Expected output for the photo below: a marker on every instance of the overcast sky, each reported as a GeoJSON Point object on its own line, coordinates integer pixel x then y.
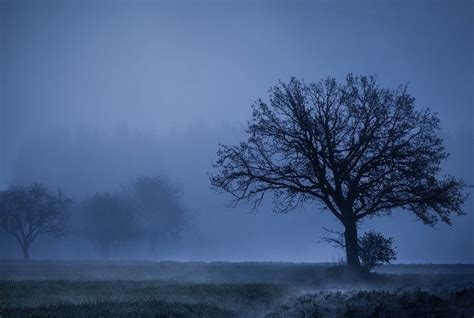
{"type": "Point", "coordinates": [185, 72]}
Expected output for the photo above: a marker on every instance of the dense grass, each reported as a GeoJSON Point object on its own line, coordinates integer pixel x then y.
{"type": "Point", "coordinates": [173, 289]}
{"type": "Point", "coordinates": [253, 297]}
{"type": "Point", "coordinates": [196, 272]}
{"type": "Point", "coordinates": [379, 304]}
{"type": "Point", "coordinates": [122, 309]}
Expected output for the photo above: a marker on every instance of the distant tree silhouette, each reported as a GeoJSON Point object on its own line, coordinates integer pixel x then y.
{"type": "Point", "coordinates": [359, 149]}
{"type": "Point", "coordinates": [29, 212]}
{"type": "Point", "coordinates": [106, 219]}
{"type": "Point", "coordinates": [159, 211]}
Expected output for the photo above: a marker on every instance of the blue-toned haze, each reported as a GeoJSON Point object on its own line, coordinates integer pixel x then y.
{"type": "Point", "coordinates": [93, 93]}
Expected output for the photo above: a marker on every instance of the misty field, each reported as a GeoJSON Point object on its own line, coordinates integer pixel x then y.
{"type": "Point", "coordinates": [173, 289]}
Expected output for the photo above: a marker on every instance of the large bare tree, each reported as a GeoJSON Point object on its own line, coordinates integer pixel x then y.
{"type": "Point", "coordinates": [359, 149]}
{"type": "Point", "coordinates": [32, 211]}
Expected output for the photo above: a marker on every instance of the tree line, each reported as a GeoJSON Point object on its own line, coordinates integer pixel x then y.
{"type": "Point", "coordinates": [148, 209]}
{"type": "Point", "coordinates": [353, 149]}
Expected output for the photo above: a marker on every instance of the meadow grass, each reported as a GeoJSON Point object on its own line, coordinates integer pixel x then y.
{"type": "Point", "coordinates": [194, 289]}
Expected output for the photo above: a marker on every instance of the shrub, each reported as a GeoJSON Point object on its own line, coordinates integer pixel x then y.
{"type": "Point", "coordinates": [375, 250]}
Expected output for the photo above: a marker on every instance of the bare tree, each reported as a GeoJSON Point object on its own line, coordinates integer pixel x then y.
{"type": "Point", "coordinates": [159, 211]}
{"type": "Point", "coordinates": [359, 149]}
{"type": "Point", "coordinates": [106, 219]}
{"type": "Point", "coordinates": [28, 212]}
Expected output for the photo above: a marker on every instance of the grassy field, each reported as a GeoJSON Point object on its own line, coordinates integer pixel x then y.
{"type": "Point", "coordinates": [173, 289]}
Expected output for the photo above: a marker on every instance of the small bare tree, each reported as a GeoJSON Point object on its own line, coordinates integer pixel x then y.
{"type": "Point", "coordinates": [28, 212]}
{"type": "Point", "coordinates": [359, 149]}
{"type": "Point", "coordinates": [106, 219]}
{"type": "Point", "coordinates": [159, 210]}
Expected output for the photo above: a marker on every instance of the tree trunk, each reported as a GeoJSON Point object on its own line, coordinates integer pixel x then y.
{"type": "Point", "coordinates": [26, 253]}
{"type": "Point", "coordinates": [352, 246]}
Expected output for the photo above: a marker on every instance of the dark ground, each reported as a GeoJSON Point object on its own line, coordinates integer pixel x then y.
{"type": "Point", "coordinates": [172, 289]}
